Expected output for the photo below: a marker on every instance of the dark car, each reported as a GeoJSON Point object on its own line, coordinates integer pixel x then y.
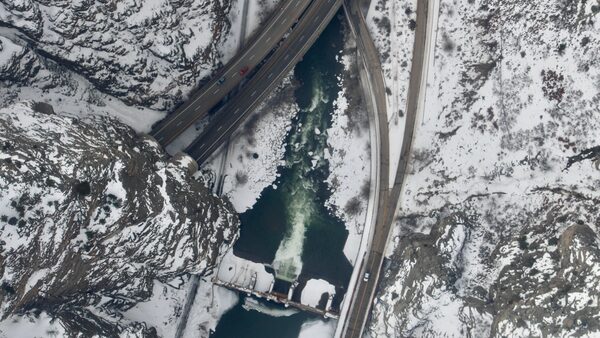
{"type": "Point", "coordinates": [221, 80]}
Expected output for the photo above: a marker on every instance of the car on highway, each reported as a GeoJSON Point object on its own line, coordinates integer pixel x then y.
{"type": "Point", "coordinates": [222, 80]}
{"type": "Point", "coordinates": [366, 277]}
{"type": "Point", "coordinates": [244, 70]}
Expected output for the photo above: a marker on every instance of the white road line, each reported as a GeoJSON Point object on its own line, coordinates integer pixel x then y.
{"type": "Point", "coordinates": [237, 109]}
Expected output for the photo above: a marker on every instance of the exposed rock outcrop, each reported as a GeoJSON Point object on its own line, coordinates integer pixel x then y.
{"type": "Point", "coordinates": [91, 214]}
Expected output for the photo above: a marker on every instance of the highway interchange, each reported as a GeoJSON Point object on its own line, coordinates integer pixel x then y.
{"type": "Point", "coordinates": [303, 21]}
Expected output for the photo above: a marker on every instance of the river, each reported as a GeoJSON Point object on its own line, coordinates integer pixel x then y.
{"type": "Point", "coordinates": [289, 228]}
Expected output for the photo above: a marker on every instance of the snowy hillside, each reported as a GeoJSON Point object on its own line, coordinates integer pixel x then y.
{"type": "Point", "coordinates": [90, 214]}
{"type": "Point", "coordinates": [498, 223]}
{"type": "Point", "coordinates": [112, 56]}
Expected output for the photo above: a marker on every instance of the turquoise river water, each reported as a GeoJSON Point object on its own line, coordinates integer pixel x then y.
{"type": "Point", "coordinates": [289, 228]}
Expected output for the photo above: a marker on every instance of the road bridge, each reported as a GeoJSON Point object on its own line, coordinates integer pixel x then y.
{"type": "Point", "coordinates": [312, 23]}
{"type": "Point", "coordinates": [363, 294]}
{"type": "Point", "coordinates": [199, 104]}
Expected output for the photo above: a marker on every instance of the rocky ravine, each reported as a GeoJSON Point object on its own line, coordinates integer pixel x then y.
{"type": "Point", "coordinates": [107, 55]}
{"type": "Point", "coordinates": [91, 214]}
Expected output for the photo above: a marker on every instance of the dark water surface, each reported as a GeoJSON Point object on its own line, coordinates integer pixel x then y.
{"type": "Point", "coordinates": [289, 227]}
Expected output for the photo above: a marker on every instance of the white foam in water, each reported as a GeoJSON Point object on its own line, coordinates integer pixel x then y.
{"type": "Point", "coordinates": [254, 305]}
{"type": "Point", "coordinates": [317, 98]}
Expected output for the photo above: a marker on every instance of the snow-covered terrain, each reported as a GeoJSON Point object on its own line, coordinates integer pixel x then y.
{"type": "Point", "coordinates": [162, 311]}
{"type": "Point", "coordinates": [91, 214]}
{"type": "Point", "coordinates": [317, 329]}
{"type": "Point", "coordinates": [41, 325]}
{"type": "Point", "coordinates": [134, 60]}
{"type": "Point", "coordinates": [392, 27]}
{"type": "Point", "coordinates": [131, 59]}
{"type": "Point", "coordinates": [314, 289]}
{"type": "Point", "coordinates": [257, 148]}
{"type": "Point", "coordinates": [348, 152]}
{"type": "Point", "coordinates": [498, 222]}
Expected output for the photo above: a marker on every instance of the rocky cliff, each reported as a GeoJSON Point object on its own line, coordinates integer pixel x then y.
{"type": "Point", "coordinates": [106, 56]}
{"type": "Point", "coordinates": [91, 214]}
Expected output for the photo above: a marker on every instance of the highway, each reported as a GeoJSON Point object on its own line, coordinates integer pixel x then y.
{"type": "Point", "coordinates": [312, 17]}
{"type": "Point", "coordinates": [363, 294]}
{"type": "Point", "coordinates": [255, 51]}
{"type": "Point", "coordinates": [369, 59]}
{"type": "Point", "coordinates": [268, 76]}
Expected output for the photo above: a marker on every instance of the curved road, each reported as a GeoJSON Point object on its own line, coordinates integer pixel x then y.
{"type": "Point", "coordinates": [310, 19]}
{"type": "Point", "coordinates": [284, 17]}
{"type": "Point", "coordinates": [362, 297]}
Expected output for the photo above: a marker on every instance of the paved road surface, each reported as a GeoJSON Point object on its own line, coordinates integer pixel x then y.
{"type": "Point", "coordinates": [270, 74]}
{"type": "Point", "coordinates": [365, 291]}
{"type": "Point", "coordinates": [199, 104]}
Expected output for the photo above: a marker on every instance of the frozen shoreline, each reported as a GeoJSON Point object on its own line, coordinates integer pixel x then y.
{"type": "Point", "coordinates": [349, 154]}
